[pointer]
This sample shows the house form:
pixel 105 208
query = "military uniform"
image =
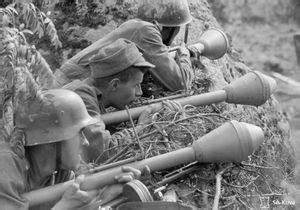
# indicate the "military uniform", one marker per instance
pixel 33 156
pixel 12 179
pixel 96 134
pixel 108 61
pixel 16 178
pixel 146 36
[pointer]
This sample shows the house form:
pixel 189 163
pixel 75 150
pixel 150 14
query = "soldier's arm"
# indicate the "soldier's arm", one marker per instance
pixel 12 180
pixel 96 134
pixel 173 74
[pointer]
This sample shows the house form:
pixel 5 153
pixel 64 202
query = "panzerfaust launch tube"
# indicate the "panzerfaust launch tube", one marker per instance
pixel 231 142
pixel 253 88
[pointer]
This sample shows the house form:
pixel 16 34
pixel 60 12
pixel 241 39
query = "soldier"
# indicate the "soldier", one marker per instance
pixel 44 149
pixel 116 75
pixel 158 23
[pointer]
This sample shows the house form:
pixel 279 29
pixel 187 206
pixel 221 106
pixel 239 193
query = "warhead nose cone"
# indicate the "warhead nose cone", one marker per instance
pixel 231 142
pixel 253 88
pixel 256 134
pixel 270 82
pixel 215 43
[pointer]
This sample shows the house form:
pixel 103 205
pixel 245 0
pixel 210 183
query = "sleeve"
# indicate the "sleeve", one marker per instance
pixel 11 182
pixel 96 134
pixel 90 100
pixel 174 75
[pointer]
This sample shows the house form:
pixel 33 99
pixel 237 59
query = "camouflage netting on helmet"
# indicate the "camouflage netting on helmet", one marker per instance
pixel 244 184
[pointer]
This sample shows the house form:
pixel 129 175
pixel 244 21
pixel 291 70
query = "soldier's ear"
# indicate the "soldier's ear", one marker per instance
pixel 114 84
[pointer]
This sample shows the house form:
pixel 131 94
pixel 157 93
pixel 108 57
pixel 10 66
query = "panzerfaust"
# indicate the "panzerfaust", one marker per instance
pixel 213 44
pixel 232 142
pixel 253 88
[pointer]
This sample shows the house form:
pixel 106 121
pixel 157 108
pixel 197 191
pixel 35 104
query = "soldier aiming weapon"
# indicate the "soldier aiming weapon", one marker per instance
pixel 254 88
pixel 231 142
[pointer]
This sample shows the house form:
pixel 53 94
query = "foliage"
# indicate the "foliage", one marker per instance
pixel 91 14
pixel 86 14
pixel 19 58
pixel 37 22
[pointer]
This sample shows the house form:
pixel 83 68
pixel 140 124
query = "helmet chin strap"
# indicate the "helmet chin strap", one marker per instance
pixel 57 164
pixel 58 156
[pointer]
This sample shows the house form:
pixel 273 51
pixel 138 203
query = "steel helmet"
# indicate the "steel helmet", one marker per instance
pixel 55 115
pixel 166 12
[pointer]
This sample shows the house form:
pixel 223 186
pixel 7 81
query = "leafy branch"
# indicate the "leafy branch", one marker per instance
pixel 37 22
pixel 23 70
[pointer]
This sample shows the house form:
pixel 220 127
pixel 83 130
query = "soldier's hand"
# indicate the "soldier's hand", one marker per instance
pixel 74 198
pixel 171 105
pixel 146 116
pixel 183 50
pixel 128 174
pixel 113 191
pixel 196 50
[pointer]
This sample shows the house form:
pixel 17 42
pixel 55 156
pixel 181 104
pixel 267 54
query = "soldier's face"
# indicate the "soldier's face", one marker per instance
pixel 129 91
pixel 70 151
pixel 168 34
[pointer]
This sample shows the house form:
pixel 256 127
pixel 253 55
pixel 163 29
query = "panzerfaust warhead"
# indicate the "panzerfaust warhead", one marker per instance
pixel 232 142
pixel 253 88
pixel 213 44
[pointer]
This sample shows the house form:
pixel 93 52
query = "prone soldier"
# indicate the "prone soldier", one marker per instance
pixel 117 74
pixel 44 150
pixel 157 24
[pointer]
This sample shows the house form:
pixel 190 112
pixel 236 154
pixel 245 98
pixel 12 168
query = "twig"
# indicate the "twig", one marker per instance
pixel 157 142
pixel 193 138
pixel 124 150
pixel 183 119
pixel 147 152
pixel 134 130
pixel 123 155
pixel 266 195
pixel 240 200
pixel 228 204
pixel 263 160
pixel 241 186
pixel 203 192
pixel 151 101
pixel 218 191
pixel 164 135
pixel 107 150
pixel 218 187
pixel 257 166
pixel 115 164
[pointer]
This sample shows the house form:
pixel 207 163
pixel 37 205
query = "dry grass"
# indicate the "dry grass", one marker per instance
pixel 226 185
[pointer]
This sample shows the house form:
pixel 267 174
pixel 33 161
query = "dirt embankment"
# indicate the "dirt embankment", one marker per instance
pixel 263 32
